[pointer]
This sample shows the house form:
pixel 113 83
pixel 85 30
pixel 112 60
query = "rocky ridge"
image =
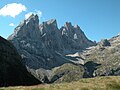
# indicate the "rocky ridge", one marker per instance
pixel 43 47
pixel 12 71
pixel 106 56
pixel 55 55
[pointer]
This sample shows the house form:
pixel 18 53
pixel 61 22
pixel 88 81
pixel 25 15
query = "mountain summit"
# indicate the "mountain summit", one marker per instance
pixel 36 42
pixel 43 47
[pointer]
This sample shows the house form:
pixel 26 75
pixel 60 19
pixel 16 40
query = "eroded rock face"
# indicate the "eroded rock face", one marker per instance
pixel 108 57
pixel 44 46
pixel 104 43
pixel 74 38
pixel 38 44
pixel 27 28
pixel 12 71
pixel 48 51
pixel 51 36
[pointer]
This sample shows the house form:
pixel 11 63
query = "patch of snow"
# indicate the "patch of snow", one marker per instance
pixel 75 36
pixel 73 55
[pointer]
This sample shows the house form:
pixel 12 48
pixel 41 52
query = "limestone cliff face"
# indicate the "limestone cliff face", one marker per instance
pixel 43 47
pixel 51 36
pixel 50 53
pixel 74 38
pixel 39 45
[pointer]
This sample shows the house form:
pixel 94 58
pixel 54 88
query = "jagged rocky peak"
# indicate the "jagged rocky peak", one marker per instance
pixel 104 43
pixel 34 17
pixel 70 29
pixel 76 26
pixel 27 28
pixel 68 25
pixel 50 34
pixel 52 21
pixel 66 29
pixel 38 43
pixel 48 26
pixel 33 20
pixel 44 45
pixel 74 38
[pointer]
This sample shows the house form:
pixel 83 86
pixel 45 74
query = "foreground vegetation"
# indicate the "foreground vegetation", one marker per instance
pixel 98 83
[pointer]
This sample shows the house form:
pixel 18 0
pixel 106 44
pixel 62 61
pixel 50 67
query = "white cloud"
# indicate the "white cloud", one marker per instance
pixel 28 15
pixel 12 9
pixel 11 24
pixel 39 13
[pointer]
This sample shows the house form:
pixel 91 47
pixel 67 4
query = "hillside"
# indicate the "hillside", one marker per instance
pixel 107 55
pixel 12 71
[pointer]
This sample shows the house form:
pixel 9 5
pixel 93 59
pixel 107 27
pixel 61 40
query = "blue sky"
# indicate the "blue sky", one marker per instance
pixel 97 18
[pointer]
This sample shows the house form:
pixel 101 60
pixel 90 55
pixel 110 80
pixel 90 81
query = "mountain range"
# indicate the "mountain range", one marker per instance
pixel 50 54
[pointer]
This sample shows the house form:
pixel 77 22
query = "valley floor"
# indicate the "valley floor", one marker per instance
pixel 97 83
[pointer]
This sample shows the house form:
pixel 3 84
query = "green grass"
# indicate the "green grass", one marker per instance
pixel 98 83
pixel 71 72
pixel 39 89
pixel 113 86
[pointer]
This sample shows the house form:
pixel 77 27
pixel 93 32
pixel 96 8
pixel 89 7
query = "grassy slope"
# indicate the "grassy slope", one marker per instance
pixel 70 72
pixel 98 83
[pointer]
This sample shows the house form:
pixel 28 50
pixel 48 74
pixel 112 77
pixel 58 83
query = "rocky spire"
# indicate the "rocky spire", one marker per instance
pixel 52 22
pixel 50 34
pixel 44 45
pixel 27 28
pixel 74 38
pixel 68 25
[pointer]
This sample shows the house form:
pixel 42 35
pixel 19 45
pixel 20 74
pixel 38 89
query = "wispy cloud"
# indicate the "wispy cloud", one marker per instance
pixel 11 24
pixel 39 13
pixel 12 9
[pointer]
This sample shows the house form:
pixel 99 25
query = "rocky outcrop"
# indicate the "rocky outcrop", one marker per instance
pixel 108 57
pixel 39 43
pixel 27 28
pixel 51 36
pixel 104 43
pixel 67 73
pixel 55 55
pixel 74 38
pixel 12 71
pixel 44 46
